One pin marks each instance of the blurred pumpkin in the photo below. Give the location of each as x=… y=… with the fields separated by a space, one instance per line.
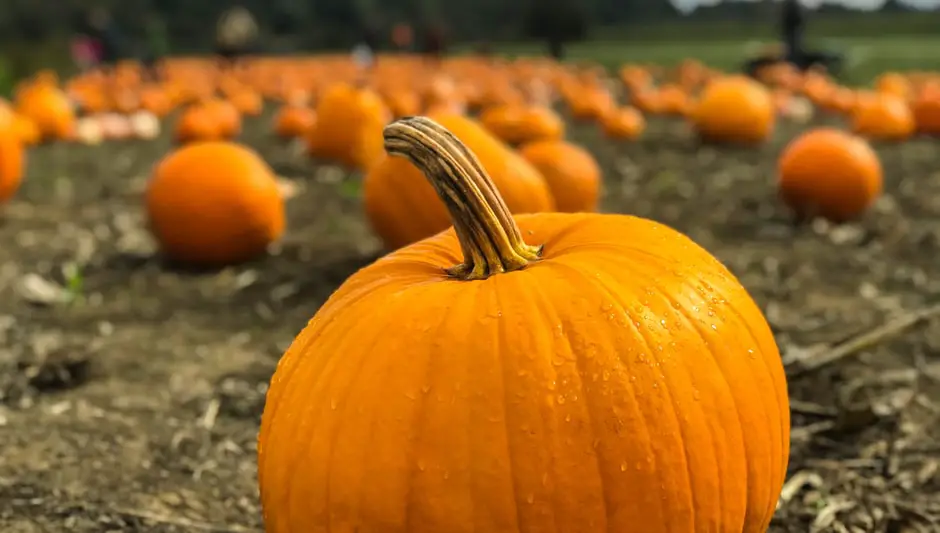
x=520 y=124
x=214 y=203
x=197 y=123
x=346 y=116
x=294 y=121
x=551 y=372
x=734 y=109
x=402 y=207
x=49 y=108
x=625 y=123
x=883 y=117
x=926 y=110
x=12 y=162
x=829 y=173
x=572 y=173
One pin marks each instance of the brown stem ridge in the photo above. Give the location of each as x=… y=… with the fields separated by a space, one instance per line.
x=489 y=237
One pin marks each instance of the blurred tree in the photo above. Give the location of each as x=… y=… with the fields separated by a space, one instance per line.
x=557 y=22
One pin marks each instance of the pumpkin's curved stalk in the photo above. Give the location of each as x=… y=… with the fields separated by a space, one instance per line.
x=490 y=239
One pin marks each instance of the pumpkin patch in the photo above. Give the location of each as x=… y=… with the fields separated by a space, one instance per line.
x=477 y=289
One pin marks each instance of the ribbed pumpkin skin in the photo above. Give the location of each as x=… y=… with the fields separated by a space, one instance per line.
x=625 y=383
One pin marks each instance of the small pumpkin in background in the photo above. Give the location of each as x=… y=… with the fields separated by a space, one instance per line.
x=48 y=107
x=572 y=173
x=519 y=124
x=829 y=173
x=248 y=103
x=226 y=116
x=734 y=109
x=624 y=123
x=26 y=129
x=12 y=162
x=346 y=116
x=294 y=121
x=214 y=203
x=197 y=123
x=402 y=207
x=883 y=117
x=926 y=109
x=596 y=362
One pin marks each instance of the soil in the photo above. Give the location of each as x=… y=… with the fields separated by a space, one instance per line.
x=131 y=390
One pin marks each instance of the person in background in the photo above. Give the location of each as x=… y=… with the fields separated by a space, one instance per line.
x=236 y=33
x=86 y=54
x=793 y=23
x=403 y=37
x=105 y=32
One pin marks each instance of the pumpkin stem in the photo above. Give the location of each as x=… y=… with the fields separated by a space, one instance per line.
x=490 y=239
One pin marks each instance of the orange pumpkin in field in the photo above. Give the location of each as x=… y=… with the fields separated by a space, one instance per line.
x=225 y=115
x=519 y=124
x=829 y=173
x=883 y=117
x=294 y=121
x=12 y=162
x=347 y=116
x=214 y=203
x=572 y=173
x=248 y=103
x=625 y=123
x=48 y=107
x=555 y=372
x=403 y=208
x=734 y=109
x=198 y=123
x=926 y=110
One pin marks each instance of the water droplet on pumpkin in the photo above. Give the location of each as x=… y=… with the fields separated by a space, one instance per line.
x=605 y=375
x=696 y=395
x=560 y=399
x=751 y=353
x=545 y=479
x=568 y=418
x=530 y=498
x=446 y=474
x=623 y=466
x=557 y=361
x=426 y=389
x=410 y=396
x=715 y=327
x=333 y=403
x=421 y=465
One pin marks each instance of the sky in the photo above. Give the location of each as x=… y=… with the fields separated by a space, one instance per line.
x=690 y=5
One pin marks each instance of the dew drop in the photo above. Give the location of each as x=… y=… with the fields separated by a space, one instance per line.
x=560 y=399
x=530 y=498
x=623 y=466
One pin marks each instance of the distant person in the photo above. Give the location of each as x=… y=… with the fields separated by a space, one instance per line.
x=86 y=53
x=235 y=35
x=403 y=37
x=793 y=24
x=103 y=29
x=435 y=40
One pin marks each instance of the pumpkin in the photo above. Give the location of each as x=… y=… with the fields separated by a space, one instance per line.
x=12 y=162
x=197 y=123
x=883 y=117
x=214 y=203
x=549 y=372
x=829 y=173
x=345 y=115
x=402 y=207
x=625 y=123
x=734 y=109
x=49 y=108
x=926 y=110
x=572 y=173
x=248 y=103
x=294 y=121
x=520 y=124
x=225 y=115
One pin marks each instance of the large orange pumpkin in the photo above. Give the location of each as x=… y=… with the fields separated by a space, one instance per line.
x=572 y=173
x=214 y=203
x=554 y=372
x=734 y=109
x=883 y=117
x=829 y=173
x=402 y=207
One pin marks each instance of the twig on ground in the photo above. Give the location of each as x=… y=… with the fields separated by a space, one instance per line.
x=827 y=355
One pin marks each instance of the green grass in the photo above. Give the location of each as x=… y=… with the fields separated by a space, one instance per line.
x=865 y=57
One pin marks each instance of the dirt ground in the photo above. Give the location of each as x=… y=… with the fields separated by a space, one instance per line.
x=134 y=407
